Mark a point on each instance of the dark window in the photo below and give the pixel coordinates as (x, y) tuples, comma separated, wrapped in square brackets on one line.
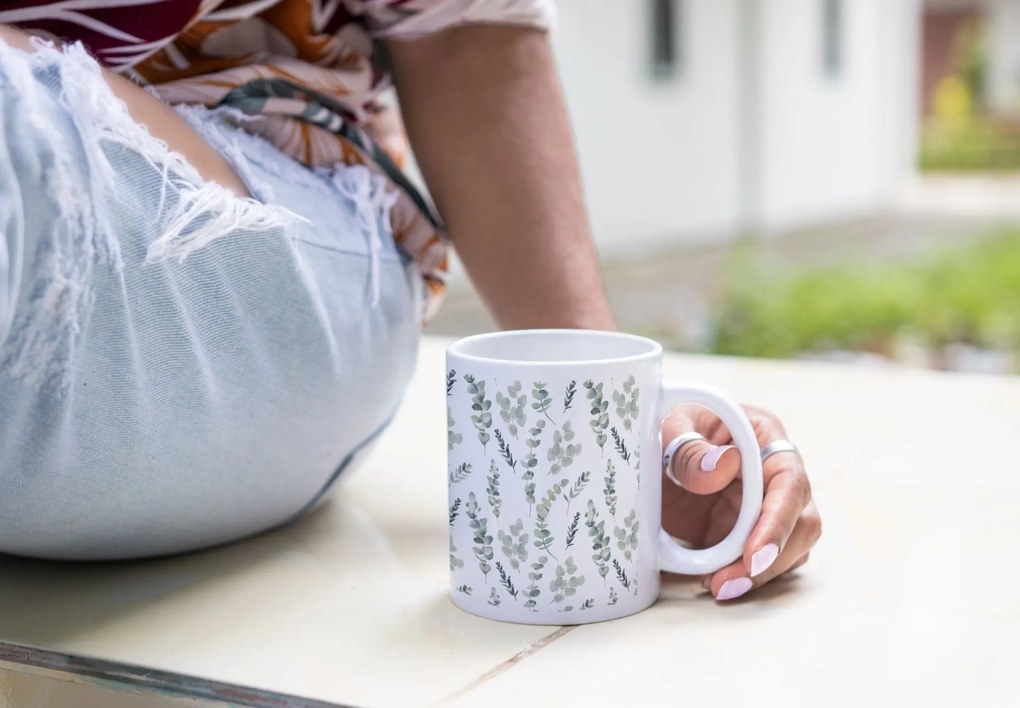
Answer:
[(665, 18), (832, 37)]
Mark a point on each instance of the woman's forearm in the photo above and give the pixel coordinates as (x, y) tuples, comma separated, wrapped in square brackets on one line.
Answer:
[(488, 126)]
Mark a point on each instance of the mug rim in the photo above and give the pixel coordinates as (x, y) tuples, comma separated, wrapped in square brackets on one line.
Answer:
[(456, 347)]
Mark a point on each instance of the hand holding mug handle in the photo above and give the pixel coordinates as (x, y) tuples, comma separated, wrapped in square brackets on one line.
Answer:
[(673, 556)]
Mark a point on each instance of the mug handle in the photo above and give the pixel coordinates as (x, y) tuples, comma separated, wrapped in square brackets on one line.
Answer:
[(675, 557)]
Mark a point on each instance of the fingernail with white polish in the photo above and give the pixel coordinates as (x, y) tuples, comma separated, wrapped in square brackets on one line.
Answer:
[(734, 588), (763, 558), (711, 458)]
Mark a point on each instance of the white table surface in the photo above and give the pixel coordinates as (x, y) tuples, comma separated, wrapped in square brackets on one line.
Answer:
[(912, 596)]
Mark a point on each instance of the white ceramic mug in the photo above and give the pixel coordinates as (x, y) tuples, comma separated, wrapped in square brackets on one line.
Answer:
[(555, 475)]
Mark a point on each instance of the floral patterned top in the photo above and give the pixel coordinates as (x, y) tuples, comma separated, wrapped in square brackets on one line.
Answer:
[(306, 69)]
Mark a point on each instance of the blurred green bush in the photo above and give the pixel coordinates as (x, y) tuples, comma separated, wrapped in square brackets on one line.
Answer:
[(969, 295), (977, 143)]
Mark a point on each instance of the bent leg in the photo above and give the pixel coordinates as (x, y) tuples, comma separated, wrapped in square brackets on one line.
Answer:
[(175, 373)]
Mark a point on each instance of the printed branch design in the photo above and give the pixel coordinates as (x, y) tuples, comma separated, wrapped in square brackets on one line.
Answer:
[(543, 536), (482, 551), (562, 452), (572, 529), (577, 487), (600, 418), (610, 488), (543, 400), (566, 581), (599, 539), (504, 450), (511, 407), (492, 490), (533, 590), (531, 462), (620, 445), (482, 417), (514, 544), (460, 473), (627, 403), (506, 581), (627, 537), (568, 396)]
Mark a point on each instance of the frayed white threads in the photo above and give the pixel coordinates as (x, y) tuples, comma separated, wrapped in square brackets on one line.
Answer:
[(372, 202)]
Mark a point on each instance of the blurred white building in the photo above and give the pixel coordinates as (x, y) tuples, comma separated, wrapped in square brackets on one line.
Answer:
[(705, 119)]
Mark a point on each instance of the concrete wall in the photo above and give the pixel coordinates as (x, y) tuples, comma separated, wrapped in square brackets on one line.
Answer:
[(659, 158), (835, 145), (1003, 43), (751, 132)]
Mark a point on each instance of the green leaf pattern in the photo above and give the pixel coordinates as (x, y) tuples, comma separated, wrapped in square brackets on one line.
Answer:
[(483, 549), (480, 405), (522, 578), (627, 537), (511, 407), (599, 417), (514, 544), (627, 403), (562, 452)]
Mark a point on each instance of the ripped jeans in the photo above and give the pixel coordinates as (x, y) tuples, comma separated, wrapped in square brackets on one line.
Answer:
[(179, 366)]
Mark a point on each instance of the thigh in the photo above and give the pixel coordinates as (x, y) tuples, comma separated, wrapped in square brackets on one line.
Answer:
[(183, 366)]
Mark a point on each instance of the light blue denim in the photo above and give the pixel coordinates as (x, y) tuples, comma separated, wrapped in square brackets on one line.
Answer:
[(179, 367)]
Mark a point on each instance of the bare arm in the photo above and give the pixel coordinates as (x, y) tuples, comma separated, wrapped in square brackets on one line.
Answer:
[(487, 122)]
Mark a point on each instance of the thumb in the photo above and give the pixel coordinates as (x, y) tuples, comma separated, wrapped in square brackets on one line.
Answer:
[(699, 466)]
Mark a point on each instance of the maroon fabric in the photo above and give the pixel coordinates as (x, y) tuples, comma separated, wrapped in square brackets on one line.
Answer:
[(149, 21)]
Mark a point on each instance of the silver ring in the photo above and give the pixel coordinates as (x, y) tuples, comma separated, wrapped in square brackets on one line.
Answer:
[(674, 447), (777, 446)]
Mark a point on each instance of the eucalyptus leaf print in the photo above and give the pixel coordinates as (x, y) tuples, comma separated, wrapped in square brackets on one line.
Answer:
[(572, 529), (466, 589), (492, 490), (514, 544), (454, 510), (451, 379), (568, 395), (543, 399), (577, 487), (452, 436), (511, 407), (562, 452), (506, 581), (620, 445), (599, 417), (613, 596), (531, 462), (533, 591), (627, 537), (483, 551), (455, 562), (621, 574), (543, 536), (587, 604), (599, 539), (482, 417), (627, 403), (610, 489), (504, 450), (460, 473), (494, 598), (566, 581)]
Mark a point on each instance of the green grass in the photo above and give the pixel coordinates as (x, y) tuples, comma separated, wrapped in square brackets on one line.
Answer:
[(969, 294), (969, 145)]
